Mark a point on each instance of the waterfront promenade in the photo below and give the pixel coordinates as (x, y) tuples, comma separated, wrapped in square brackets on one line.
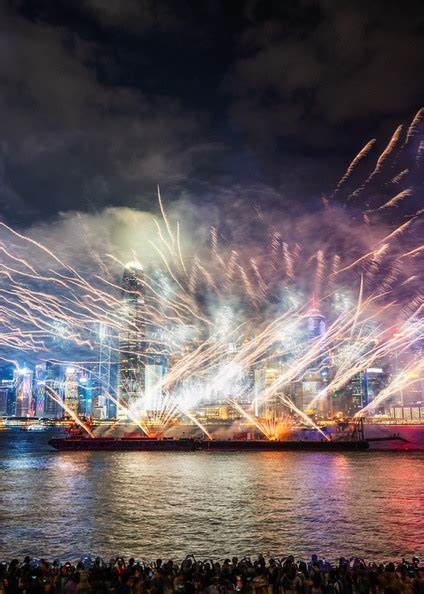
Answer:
[(285, 575)]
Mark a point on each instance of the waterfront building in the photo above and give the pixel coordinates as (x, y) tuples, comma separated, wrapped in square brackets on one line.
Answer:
[(265, 376), (408, 414), (155, 370), (85, 392), (315, 378), (315, 323), (53, 386), (361, 390), (131, 338), (40, 390), (399, 359), (24, 397), (103, 407), (7, 391), (375, 379), (71, 389)]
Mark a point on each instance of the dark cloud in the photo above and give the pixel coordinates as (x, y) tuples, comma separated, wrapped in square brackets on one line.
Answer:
[(101, 101), (136, 16), (315, 74), (69, 139)]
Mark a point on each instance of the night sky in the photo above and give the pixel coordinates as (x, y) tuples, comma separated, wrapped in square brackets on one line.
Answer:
[(103, 99)]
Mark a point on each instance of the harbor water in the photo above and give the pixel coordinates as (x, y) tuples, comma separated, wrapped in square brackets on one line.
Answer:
[(150, 504)]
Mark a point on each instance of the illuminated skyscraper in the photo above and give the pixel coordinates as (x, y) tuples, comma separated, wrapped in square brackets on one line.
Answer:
[(315, 376), (85, 392), (102, 401), (71, 389), (131, 339), (39, 390), (155, 371), (315, 322), (7, 391), (53, 385), (23, 382)]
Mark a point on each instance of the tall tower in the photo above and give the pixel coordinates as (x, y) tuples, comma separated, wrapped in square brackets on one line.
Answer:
[(101, 402), (315, 321), (39, 390), (315, 377), (131, 340), (71, 389), (53, 380), (23, 383)]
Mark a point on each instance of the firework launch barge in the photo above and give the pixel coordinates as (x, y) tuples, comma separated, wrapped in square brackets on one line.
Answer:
[(195, 445)]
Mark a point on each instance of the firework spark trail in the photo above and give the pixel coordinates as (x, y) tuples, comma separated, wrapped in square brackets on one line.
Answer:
[(276, 427), (248, 285), (214, 246), (399, 383), (82, 305), (96, 315), (196, 421), (393, 201), (385, 154), (165, 218), (312, 353), (193, 277), (127, 410), (399, 177), (420, 153), (225, 374), (382, 246), (275, 245), (413, 252), (261, 283), (96, 257), (55, 396), (358, 361), (361, 155), (419, 117), (288, 259), (252, 420), (180, 253), (319, 271), (372, 253), (184, 308), (167, 266)]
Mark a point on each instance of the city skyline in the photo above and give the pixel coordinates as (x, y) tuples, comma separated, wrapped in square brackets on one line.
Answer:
[(321, 331), (211, 297)]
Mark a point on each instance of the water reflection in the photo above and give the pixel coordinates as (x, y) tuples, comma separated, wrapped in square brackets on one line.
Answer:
[(151, 504)]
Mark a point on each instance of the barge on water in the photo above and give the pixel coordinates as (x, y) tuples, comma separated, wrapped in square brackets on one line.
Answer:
[(146, 444)]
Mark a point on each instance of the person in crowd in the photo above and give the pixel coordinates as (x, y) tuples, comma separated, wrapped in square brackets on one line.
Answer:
[(284, 575)]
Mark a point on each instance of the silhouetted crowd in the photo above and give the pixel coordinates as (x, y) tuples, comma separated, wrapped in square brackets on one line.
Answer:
[(241, 576)]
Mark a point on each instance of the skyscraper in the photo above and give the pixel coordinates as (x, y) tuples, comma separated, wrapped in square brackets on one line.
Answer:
[(154, 371), (23, 382), (131, 339), (315, 376), (53, 385), (315, 322), (71, 389), (40, 390), (102, 401), (7, 391)]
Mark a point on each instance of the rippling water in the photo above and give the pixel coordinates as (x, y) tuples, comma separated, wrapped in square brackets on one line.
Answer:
[(210, 504)]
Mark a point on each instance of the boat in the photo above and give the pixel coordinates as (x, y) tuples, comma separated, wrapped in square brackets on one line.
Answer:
[(33, 427), (398, 436), (147, 444)]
